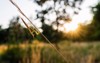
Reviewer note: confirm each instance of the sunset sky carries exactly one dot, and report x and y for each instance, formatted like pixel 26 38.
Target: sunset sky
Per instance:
pixel 8 11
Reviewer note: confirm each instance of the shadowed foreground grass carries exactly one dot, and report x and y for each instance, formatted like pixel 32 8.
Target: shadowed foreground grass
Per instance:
pixel 43 53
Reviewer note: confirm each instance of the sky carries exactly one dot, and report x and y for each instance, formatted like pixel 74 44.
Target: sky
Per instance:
pixel 8 11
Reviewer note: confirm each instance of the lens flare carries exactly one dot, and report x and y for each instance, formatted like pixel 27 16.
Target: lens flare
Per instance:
pixel 75 31
pixel 70 27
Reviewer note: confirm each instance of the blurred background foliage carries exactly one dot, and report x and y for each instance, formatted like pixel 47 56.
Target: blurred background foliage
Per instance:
pixel 17 33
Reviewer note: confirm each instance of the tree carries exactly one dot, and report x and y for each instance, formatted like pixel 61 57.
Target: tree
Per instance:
pixel 95 25
pixel 0 27
pixel 15 33
pixel 52 34
pixel 18 33
pixel 15 29
pixel 4 36
pixel 56 9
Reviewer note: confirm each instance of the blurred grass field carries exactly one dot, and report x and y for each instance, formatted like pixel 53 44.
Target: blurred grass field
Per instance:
pixel 78 52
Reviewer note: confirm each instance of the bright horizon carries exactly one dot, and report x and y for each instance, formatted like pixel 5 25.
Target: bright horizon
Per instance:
pixel 8 11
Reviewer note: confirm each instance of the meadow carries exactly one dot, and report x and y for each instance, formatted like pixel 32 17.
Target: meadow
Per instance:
pixel 60 20
pixel 39 52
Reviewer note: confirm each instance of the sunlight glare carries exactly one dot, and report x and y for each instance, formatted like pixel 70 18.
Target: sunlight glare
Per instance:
pixel 70 27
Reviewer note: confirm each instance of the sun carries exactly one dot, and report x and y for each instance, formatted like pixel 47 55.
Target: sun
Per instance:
pixel 70 27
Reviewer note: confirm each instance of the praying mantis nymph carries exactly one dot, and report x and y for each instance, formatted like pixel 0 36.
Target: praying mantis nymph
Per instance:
pixel 34 31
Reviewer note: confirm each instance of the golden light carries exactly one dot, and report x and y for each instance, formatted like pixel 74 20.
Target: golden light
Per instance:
pixel 74 30
pixel 70 27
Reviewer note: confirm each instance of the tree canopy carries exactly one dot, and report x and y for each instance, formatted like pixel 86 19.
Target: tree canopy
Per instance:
pixel 15 33
pixel 53 12
pixel 93 29
pixel 96 22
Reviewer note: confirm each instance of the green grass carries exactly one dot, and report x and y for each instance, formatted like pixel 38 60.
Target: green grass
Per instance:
pixel 78 52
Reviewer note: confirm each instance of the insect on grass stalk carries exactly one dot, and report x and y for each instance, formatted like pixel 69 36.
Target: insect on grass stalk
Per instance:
pixel 36 30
